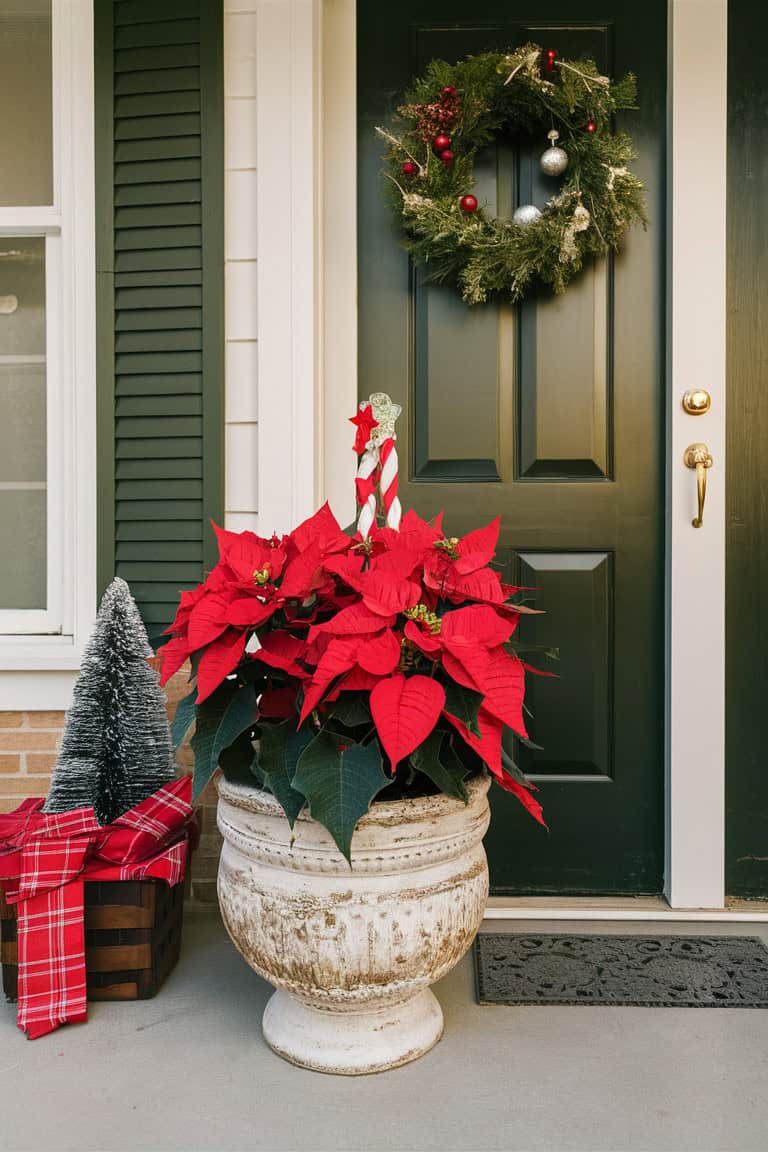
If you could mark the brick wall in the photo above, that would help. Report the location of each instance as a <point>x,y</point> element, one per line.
<point>29,742</point>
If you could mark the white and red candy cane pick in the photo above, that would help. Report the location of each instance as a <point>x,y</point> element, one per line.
<point>388,483</point>
<point>378,464</point>
<point>365,483</point>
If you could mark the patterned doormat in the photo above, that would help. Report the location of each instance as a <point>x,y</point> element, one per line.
<point>644,971</point>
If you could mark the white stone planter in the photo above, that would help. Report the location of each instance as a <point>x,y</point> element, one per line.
<point>353,952</point>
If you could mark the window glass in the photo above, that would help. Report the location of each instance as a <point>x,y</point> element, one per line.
<point>22,423</point>
<point>26,132</point>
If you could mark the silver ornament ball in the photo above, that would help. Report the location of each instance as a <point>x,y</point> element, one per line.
<point>526,214</point>
<point>554,161</point>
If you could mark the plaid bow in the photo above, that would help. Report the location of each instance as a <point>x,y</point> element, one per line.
<point>44,862</point>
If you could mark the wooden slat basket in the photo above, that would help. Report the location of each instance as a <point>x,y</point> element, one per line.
<point>132,938</point>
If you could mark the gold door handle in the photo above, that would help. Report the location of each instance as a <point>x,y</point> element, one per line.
<point>697,456</point>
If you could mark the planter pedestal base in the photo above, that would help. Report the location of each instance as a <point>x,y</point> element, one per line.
<point>352,1043</point>
<point>353,949</point>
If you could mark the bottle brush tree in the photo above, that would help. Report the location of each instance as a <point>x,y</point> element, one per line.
<point>116,748</point>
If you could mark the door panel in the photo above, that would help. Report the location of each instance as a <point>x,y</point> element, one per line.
<point>551,414</point>
<point>572,718</point>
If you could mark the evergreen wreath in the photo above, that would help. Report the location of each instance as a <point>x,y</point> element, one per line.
<point>453,111</point>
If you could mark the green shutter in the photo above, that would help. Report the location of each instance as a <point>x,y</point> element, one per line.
<point>160,298</point>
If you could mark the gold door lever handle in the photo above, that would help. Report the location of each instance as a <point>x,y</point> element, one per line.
<point>697,456</point>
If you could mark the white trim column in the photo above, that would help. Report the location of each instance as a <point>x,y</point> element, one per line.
<point>338,256</point>
<point>696,556</point>
<point>291,271</point>
<point>287,135</point>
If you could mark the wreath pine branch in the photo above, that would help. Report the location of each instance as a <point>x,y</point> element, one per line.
<point>470,103</point>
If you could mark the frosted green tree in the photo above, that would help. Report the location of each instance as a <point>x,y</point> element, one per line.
<point>116,748</point>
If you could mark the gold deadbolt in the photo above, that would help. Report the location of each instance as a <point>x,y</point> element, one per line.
<point>697,456</point>
<point>697,401</point>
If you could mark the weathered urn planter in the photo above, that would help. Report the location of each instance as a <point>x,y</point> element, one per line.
<point>353,951</point>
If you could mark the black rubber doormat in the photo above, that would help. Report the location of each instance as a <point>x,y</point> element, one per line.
<point>644,971</point>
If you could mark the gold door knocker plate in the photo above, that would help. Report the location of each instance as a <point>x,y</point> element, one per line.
<point>697,456</point>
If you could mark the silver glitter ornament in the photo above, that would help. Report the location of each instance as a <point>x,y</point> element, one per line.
<point>526,214</point>
<point>555,160</point>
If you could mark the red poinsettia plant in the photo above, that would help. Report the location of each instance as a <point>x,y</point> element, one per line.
<point>353,665</point>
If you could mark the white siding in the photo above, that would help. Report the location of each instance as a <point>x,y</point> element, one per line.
<point>241,488</point>
<point>272,111</point>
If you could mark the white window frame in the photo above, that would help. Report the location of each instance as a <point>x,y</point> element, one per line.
<point>53,638</point>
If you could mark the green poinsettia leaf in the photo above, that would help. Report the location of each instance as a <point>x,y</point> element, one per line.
<point>464,704</point>
<point>351,710</point>
<point>437,759</point>
<point>240,715</point>
<point>339,782</point>
<point>256,772</point>
<point>279,750</point>
<point>184,718</point>
<point>236,759</point>
<point>207,719</point>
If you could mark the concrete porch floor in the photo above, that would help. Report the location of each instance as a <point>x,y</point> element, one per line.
<point>189,1070</point>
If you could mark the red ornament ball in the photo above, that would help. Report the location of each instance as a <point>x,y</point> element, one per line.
<point>447,157</point>
<point>441,142</point>
<point>468,203</point>
<point>548,63</point>
<point>409,168</point>
<point>449,90</point>
<point>591,126</point>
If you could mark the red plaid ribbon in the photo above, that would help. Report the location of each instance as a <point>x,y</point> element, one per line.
<point>44,862</point>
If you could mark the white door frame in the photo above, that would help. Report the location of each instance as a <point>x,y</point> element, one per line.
<point>307,189</point>
<point>695,834</point>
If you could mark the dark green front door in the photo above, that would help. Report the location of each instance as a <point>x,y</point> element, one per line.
<point>746,639</point>
<point>551,414</point>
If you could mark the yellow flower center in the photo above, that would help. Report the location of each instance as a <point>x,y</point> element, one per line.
<point>422,615</point>
<point>261,575</point>
<point>449,546</point>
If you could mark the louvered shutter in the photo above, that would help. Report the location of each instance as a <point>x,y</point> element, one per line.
<point>167,248</point>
